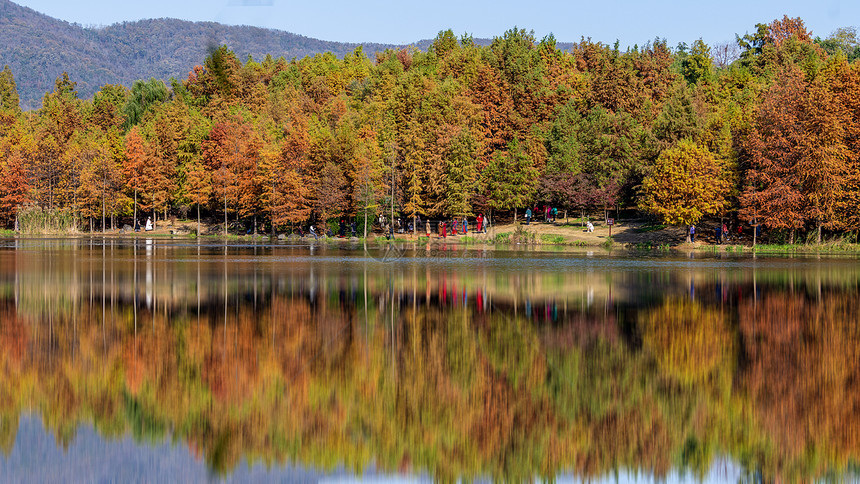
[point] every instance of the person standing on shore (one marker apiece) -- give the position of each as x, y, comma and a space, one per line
692, 233
480, 222
528, 215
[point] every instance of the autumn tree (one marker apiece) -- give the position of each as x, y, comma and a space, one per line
844, 80
231, 154
461, 175
134, 164
687, 183
107, 107
61, 110
16, 149
330, 193
9, 101
284, 178
510, 179
367, 175
797, 154
198, 186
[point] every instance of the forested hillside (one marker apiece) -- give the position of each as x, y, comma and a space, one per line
39, 49
771, 137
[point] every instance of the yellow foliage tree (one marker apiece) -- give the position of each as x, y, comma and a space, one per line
687, 183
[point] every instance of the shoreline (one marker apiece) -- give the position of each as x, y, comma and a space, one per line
633, 235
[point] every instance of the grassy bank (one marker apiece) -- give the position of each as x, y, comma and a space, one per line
826, 247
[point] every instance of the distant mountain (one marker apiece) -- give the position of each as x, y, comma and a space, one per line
38, 48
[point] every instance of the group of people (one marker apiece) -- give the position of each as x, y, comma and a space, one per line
723, 233
147, 227
454, 226
550, 214
457, 226
341, 230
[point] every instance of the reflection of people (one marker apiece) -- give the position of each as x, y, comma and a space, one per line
148, 224
589, 226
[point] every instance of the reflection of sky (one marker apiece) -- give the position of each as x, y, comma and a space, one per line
37, 457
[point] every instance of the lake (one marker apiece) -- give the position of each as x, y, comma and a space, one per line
178, 360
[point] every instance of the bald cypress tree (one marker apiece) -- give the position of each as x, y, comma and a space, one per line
9, 101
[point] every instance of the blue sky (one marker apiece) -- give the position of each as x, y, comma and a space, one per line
629, 21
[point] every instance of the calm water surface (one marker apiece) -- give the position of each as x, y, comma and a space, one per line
160, 360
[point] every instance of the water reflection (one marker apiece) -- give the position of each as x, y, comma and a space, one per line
477, 365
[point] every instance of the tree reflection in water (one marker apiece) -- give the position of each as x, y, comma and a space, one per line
459, 369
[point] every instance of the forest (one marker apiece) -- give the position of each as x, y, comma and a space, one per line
765, 131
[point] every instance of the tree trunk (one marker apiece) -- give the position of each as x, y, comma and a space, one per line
365, 222
103, 200
791, 237
225, 215
134, 222
755, 233
515, 215
819, 233
198, 220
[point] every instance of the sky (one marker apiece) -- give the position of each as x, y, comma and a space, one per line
631, 22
